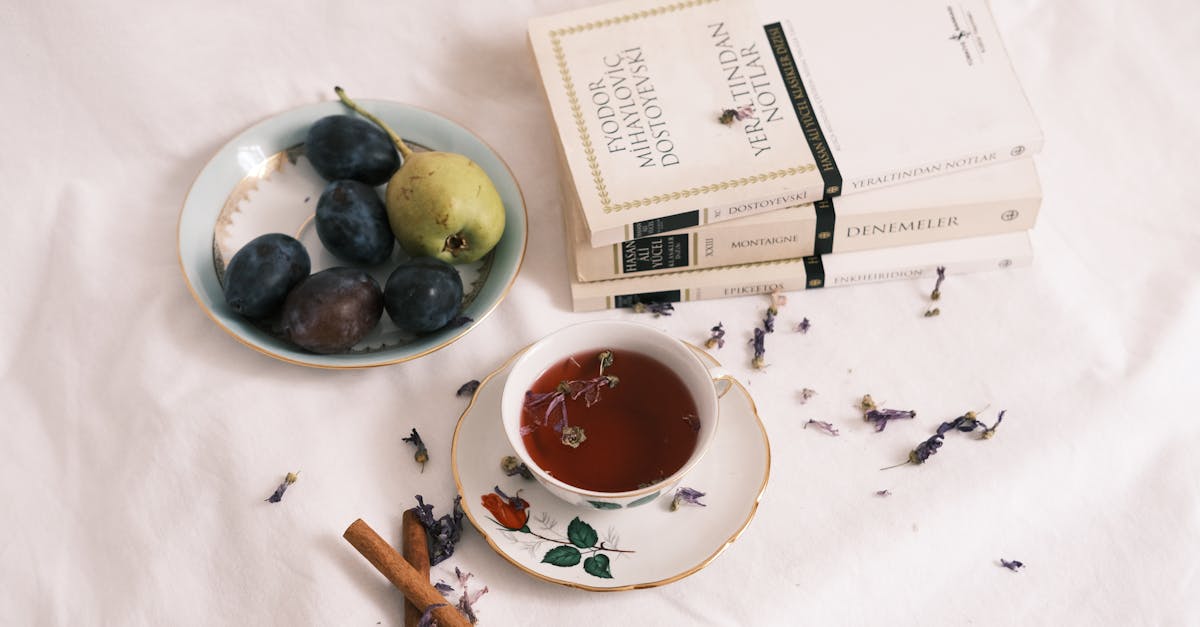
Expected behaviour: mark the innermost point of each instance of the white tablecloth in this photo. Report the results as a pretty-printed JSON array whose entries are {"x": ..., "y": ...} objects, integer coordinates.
[{"x": 137, "y": 439}]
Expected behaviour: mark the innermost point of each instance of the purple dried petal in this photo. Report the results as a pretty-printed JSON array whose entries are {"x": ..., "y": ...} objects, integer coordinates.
[
  {"x": 686, "y": 495},
  {"x": 881, "y": 416},
  {"x": 467, "y": 600},
  {"x": 883, "y": 493},
  {"x": 467, "y": 388},
  {"x": 443, "y": 587},
  {"x": 1014, "y": 565},
  {"x": 513, "y": 466},
  {"x": 427, "y": 619},
  {"x": 444, "y": 532},
  {"x": 804, "y": 326},
  {"x": 769, "y": 320},
  {"x": 463, "y": 577},
  {"x": 822, "y": 426}
]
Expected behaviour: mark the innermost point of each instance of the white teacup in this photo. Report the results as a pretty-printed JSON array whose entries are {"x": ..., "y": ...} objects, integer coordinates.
[{"x": 705, "y": 385}]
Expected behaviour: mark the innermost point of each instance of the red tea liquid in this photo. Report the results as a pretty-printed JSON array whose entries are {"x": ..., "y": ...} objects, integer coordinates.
[{"x": 638, "y": 433}]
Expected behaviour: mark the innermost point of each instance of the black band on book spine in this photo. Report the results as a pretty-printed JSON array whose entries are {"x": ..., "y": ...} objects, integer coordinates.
[
  {"x": 826, "y": 222},
  {"x": 629, "y": 300},
  {"x": 804, "y": 110},
  {"x": 655, "y": 253},
  {"x": 654, "y": 226},
  {"x": 814, "y": 273}
]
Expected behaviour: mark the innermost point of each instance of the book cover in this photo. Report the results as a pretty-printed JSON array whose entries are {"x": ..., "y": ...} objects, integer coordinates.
[
  {"x": 837, "y": 98},
  {"x": 996, "y": 199},
  {"x": 920, "y": 261}
]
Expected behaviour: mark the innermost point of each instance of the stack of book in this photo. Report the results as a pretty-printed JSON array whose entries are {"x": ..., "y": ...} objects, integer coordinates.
[{"x": 715, "y": 148}]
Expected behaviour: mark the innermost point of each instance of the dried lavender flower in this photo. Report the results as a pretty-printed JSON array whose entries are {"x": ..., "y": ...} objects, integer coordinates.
[
  {"x": 686, "y": 495},
  {"x": 806, "y": 394},
  {"x": 444, "y": 532},
  {"x": 513, "y": 466},
  {"x": 937, "y": 287},
  {"x": 1014, "y": 565},
  {"x": 573, "y": 436},
  {"x": 990, "y": 432},
  {"x": 769, "y": 320},
  {"x": 804, "y": 326},
  {"x": 822, "y": 426},
  {"x": 467, "y": 388},
  {"x": 760, "y": 350},
  {"x": 966, "y": 423},
  {"x": 883, "y": 493},
  {"x": 881, "y": 416},
  {"x": 422, "y": 454},
  {"x": 658, "y": 309},
  {"x": 717, "y": 337},
  {"x": 741, "y": 113},
  {"x": 468, "y": 598},
  {"x": 443, "y": 587},
  {"x": 923, "y": 452},
  {"x": 288, "y": 480}
]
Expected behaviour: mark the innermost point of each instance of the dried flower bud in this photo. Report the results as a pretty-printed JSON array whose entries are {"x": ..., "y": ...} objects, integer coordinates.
[
  {"x": 883, "y": 493},
  {"x": 881, "y": 416},
  {"x": 513, "y": 466},
  {"x": 990, "y": 432},
  {"x": 760, "y": 349},
  {"x": 717, "y": 338},
  {"x": 867, "y": 403},
  {"x": 422, "y": 454},
  {"x": 288, "y": 480},
  {"x": 930, "y": 313},
  {"x": 804, "y": 326},
  {"x": 806, "y": 394},
  {"x": 573, "y": 436},
  {"x": 937, "y": 287}
]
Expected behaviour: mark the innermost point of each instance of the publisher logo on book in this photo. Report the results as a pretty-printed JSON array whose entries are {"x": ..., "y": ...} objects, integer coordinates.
[{"x": 964, "y": 34}]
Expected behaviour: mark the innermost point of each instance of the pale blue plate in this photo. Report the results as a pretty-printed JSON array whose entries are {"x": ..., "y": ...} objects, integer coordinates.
[{"x": 260, "y": 182}]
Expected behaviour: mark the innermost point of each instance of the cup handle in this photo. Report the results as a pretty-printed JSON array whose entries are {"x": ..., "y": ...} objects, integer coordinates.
[{"x": 722, "y": 381}]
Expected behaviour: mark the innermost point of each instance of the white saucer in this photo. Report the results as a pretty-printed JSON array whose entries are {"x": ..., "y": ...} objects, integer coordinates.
[{"x": 637, "y": 548}]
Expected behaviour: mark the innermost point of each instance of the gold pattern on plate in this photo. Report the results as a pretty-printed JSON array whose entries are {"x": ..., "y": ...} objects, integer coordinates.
[{"x": 762, "y": 487}]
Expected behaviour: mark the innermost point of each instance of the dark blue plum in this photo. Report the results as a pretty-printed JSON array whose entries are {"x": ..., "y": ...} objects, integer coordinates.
[
  {"x": 344, "y": 147},
  {"x": 332, "y": 310},
  {"x": 423, "y": 294},
  {"x": 352, "y": 223},
  {"x": 260, "y": 275}
]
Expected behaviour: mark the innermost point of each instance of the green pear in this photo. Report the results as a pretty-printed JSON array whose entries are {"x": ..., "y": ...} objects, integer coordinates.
[{"x": 440, "y": 204}]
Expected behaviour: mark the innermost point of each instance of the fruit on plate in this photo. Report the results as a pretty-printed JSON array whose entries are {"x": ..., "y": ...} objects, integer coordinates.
[
  {"x": 352, "y": 223},
  {"x": 440, "y": 204},
  {"x": 344, "y": 147},
  {"x": 261, "y": 273},
  {"x": 423, "y": 294},
  {"x": 332, "y": 310}
]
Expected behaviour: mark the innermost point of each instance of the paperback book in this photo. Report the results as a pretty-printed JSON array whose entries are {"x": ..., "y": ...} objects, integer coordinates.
[
  {"x": 996, "y": 199},
  {"x": 919, "y": 261},
  {"x": 680, "y": 114}
]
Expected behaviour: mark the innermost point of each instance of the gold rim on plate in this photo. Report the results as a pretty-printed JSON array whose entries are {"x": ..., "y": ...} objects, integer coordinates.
[
  {"x": 212, "y": 316},
  {"x": 636, "y": 586}
]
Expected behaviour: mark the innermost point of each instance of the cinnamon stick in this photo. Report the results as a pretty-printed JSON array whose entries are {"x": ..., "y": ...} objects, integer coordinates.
[
  {"x": 415, "y": 546},
  {"x": 414, "y": 585}
]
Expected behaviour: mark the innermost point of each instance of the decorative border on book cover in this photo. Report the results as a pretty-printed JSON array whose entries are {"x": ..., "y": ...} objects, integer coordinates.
[{"x": 585, "y": 137}]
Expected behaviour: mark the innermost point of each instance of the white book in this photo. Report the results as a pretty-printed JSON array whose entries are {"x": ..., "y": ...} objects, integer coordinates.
[
  {"x": 995, "y": 199},
  {"x": 845, "y": 96},
  {"x": 920, "y": 261}
]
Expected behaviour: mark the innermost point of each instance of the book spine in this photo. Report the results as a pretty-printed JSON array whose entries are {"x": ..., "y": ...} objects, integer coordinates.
[
  {"x": 813, "y": 272},
  {"x": 700, "y": 217},
  {"x": 929, "y": 169},
  {"x": 801, "y": 233}
]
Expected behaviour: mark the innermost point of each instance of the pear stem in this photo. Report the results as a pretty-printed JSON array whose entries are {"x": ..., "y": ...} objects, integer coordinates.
[{"x": 405, "y": 151}]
